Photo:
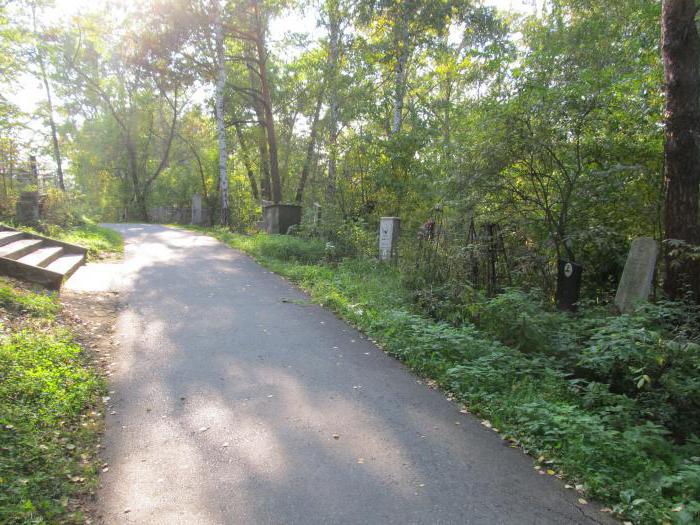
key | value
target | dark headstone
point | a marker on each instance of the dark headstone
(28, 208)
(568, 285)
(278, 218)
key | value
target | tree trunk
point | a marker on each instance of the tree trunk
(219, 114)
(681, 58)
(265, 190)
(52, 122)
(309, 149)
(333, 63)
(246, 162)
(267, 105)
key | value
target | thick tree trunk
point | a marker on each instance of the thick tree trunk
(333, 64)
(309, 150)
(267, 105)
(681, 58)
(219, 115)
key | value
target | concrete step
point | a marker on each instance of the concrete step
(6, 237)
(43, 256)
(17, 249)
(66, 264)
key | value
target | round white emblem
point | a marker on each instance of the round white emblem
(568, 269)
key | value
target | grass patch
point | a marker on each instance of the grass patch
(48, 417)
(511, 364)
(98, 240)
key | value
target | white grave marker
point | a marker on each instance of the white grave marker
(638, 274)
(388, 236)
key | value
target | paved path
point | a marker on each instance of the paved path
(235, 406)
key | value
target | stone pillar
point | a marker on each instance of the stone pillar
(196, 209)
(388, 237)
(638, 274)
(28, 208)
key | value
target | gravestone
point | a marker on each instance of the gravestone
(196, 209)
(28, 208)
(638, 274)
(568, 285)
(388, 237)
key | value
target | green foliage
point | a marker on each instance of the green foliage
(47, 431)
(35, 305)
(508, 366)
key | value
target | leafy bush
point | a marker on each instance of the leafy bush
(57, 209)
(47, 432)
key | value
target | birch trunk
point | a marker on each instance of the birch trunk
(219, 115)
(333, 59)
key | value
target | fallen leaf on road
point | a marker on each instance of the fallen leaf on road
(336, 436)
(582, 501)
(203, 429)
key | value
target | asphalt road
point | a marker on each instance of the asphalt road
(233, 405)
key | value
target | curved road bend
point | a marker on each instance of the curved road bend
(234, 405)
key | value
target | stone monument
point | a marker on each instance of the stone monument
(568, 285)
(638, 274)
(196, 209)
(28, 208)
(388, 237)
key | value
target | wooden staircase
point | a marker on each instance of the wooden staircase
(38, 259)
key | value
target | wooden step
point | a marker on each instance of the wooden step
(17, 249)
(66, 264)
(6, 237)
(43, 256)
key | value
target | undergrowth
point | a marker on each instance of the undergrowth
(612, 403)
(48, 416)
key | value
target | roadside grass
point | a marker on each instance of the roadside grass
(98, 240)
(604, 444)
(49, 419)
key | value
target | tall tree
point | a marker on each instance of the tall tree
(40, 59)
(681, 58)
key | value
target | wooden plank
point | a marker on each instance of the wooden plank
(71, 248)
(6, 237)
(17, 249)
(66, 264)
(43, 256)
(33, 274)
